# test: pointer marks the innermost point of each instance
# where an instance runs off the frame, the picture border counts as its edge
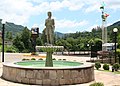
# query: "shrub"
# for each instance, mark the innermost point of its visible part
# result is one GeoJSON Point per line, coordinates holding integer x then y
{"type": "Point", "coordinates": [97, 84]}
{"type": "Point", "coordinates": [116, 66]}
{"type": "Point", "coordinates": [24, 59]}
{"type": "Point", "coordinates": [34, 53]}
{"type": "Point", "coordinates": [118, 52]}
{"type": "Point", "coordinates": [27, 59]}
{"type": "Point", "coordinates": [10, 49]}
{"type": "Point", "coordinates": [40, 59]}
{"type": "Point", "coordinates": [64, 59]}
{"type": "Point", "coordinates": [97, 65]}
{"type": "Point", "coordinates": [25, 51]}
{"type": "Point", "coordinates": [106, 67]}
{"type": "Point", "coordinates": [59, 59]}
{"type": "Point", "coordinates": [33, 59]}
{"type": "Point", "coordinates": [53, 59]}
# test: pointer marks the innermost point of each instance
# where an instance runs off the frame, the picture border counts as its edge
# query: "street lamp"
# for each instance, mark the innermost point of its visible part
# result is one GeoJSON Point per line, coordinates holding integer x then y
{"type": "Point", "coordinates": [115, 30]}
{"type": "Point", "coordinates": [3, 31]}
{"type": "Point", "coordinates": [35, 34]}
{"type": "Point", "coordinates": [88, 47]}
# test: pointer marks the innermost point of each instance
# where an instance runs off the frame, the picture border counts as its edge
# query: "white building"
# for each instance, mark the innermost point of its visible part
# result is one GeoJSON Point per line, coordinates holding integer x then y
{"type": "Point", "coordinates": [109, 46]}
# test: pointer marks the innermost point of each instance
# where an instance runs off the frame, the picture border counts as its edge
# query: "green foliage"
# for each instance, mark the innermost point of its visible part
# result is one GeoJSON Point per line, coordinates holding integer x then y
{"type": "Point", "coordinates": [59, 59]}
{"type": "Point", "coordinates": [33, 59]}
{"type": "Point", "coordinates": [43, 37]}
{"type": "Point", "coordinates": [118, 39]}
{"type": "Point", "coordinates": [97, 65]}
{"type": "Point", "coordinates": [118, 52]}
{"type": "Point", "coordinates": [40, 59]}
{"type": "Point", "coordinates": [64, 59]}
{"type": "Point", "coordinates": [116, 66]}
{"type": "Point", "coordinates": [25, 38]}
{"type": "Point", "coordinates": [71, 41]}
{"type": "Point", "coordinates": [39, 41]}
{"type": "Point", "coordinates": [22, 41]}
{"type": "Point", "coordinates": [12, 27]}
{"type": "Point", "coordinates": [106, 67]}
{"type": "Point", "coordinates": [97, 84]}
{"type": "Point", "coordinates": [9, 35]}
{"type": "Point", "coordinates": [78, 41]}
{"type": "Point", "coordinates": [25, 51]}
{"type": "Point", "coordinates": [98, 44]}
{"type": "Point", "coordinates": [24, 59]}
{"type": "Point", "coordinates": [10, 49]}
{"type": "Point", "coordinates": [53, 59]}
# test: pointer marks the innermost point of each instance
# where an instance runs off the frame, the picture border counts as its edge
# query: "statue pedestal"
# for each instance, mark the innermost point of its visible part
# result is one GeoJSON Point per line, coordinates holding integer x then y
{"type": "Point", "coordinates": [49, 61]}
{"type": "Point", "coordinates": [49, 50]}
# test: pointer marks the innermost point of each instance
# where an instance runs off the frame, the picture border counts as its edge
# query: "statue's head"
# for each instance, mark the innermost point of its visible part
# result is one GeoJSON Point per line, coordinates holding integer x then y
{"type": "Point", "coordinates": [49, 14]}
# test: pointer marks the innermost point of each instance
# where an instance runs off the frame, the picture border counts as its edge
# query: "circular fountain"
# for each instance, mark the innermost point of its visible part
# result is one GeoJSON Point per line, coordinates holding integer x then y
{"type": "Point", "coordinates": [64, 75]}
{"type": "Point", "coordinates": [49, 72]}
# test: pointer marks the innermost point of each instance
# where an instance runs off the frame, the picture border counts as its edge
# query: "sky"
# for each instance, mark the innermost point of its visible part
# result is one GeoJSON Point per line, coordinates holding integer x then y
{"type": "Point", "coordinates": [70, 15]}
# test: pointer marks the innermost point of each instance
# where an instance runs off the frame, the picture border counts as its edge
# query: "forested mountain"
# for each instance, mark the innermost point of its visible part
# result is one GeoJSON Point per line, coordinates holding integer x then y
{"type": "Point", "coordinates": [11, 27]}
{"type": "Point", "coordinates": [71, 41]}
{"type": "Point", "coordinates": [116, 24]}
{"type": "Point", "coordinates": [58, 34]}
{"type": "Point", "coordinates": [96, 32]}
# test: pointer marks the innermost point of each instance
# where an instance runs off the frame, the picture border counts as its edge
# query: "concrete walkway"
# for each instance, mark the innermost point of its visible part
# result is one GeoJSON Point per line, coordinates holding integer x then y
{"type": "Point", "coordinates": [108, 78]}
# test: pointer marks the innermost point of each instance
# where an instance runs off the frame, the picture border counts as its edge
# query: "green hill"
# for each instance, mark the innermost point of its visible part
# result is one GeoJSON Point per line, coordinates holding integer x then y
{"type": "Point", "coordinates": [96, 32]}
{"type": "Point", "coordinates": [11, 27]}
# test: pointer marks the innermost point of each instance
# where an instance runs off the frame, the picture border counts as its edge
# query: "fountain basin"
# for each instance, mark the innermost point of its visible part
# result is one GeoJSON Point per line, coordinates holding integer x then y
{"type": "Point", "coordinates": [48, 75]}
{"type": "Point", "coordinates": [41, 63]}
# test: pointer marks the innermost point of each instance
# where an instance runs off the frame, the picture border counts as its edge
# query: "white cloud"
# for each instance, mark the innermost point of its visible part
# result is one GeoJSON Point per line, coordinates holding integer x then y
{"type": "Point", "coordinates": [73, 5]}
{"type": "Point", "coordinates": [17, 11]}
{"type": "Point", "coordinates": [70, 24]}
{"type": "Point", "coordinates": [114, 4]}
{"type": "Point", "coordinates": [92, 8]}
{"type": "Point", "coordinates": [91, 27]}
{"type": "Point", "coordinates": [70, 31]}
{"type": "Point", "coordinates": [95, 5]}
{"type": "Point", "coordinates": [20, 11]}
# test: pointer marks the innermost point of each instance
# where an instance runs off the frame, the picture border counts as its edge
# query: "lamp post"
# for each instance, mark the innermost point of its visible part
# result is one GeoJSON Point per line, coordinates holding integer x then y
{"type": "Point", "coordinates": [115, 32]}
{"type": "Point", "coordinates": [35, 34]}
{"type": "Point", "coordinates": [3, 31]}
{"type": "Point", "coordinates": [88, 47]}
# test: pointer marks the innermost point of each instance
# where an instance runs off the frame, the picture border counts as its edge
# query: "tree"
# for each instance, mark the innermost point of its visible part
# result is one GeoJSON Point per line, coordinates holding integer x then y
{"type": "Point", "coordinates": [98, 44]}
{"type": "Point", "coordinates": [18, 43]}
{"type": "Point", "coordinates": [22, 41]}
{"type": "Point", "coordinates": [43, 37]}
{"type": "Point", "coordinates": [25, 38]}
{"type": "Point", "coordinates": [118, 39]}
{"type": "Point", "coordinates": [39, 41]}
{"type": "Point", "coordinates": [9, 35]}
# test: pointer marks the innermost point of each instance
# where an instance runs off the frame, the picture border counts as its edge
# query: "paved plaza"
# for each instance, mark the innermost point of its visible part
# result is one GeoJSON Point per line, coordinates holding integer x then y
{"type": "Point", "coordinates": [108, 78]}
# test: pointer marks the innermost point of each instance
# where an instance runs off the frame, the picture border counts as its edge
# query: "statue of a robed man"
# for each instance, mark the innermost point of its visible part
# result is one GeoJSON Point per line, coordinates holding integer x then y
{"type": "Point", "coordinates": [49, 29]}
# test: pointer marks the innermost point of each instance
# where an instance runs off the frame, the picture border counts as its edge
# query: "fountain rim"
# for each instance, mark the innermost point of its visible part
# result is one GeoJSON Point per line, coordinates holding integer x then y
{"type": "Point", "coordinates": [11, 64]}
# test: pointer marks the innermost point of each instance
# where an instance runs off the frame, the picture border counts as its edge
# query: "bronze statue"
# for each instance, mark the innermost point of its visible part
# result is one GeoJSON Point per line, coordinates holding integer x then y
{"type": "Point", "coordinates": [49, 29]}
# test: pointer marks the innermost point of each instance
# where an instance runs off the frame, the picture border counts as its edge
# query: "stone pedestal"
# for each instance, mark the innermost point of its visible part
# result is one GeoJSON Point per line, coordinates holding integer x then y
{"type": "Point", "coordinates": [49, 61]}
